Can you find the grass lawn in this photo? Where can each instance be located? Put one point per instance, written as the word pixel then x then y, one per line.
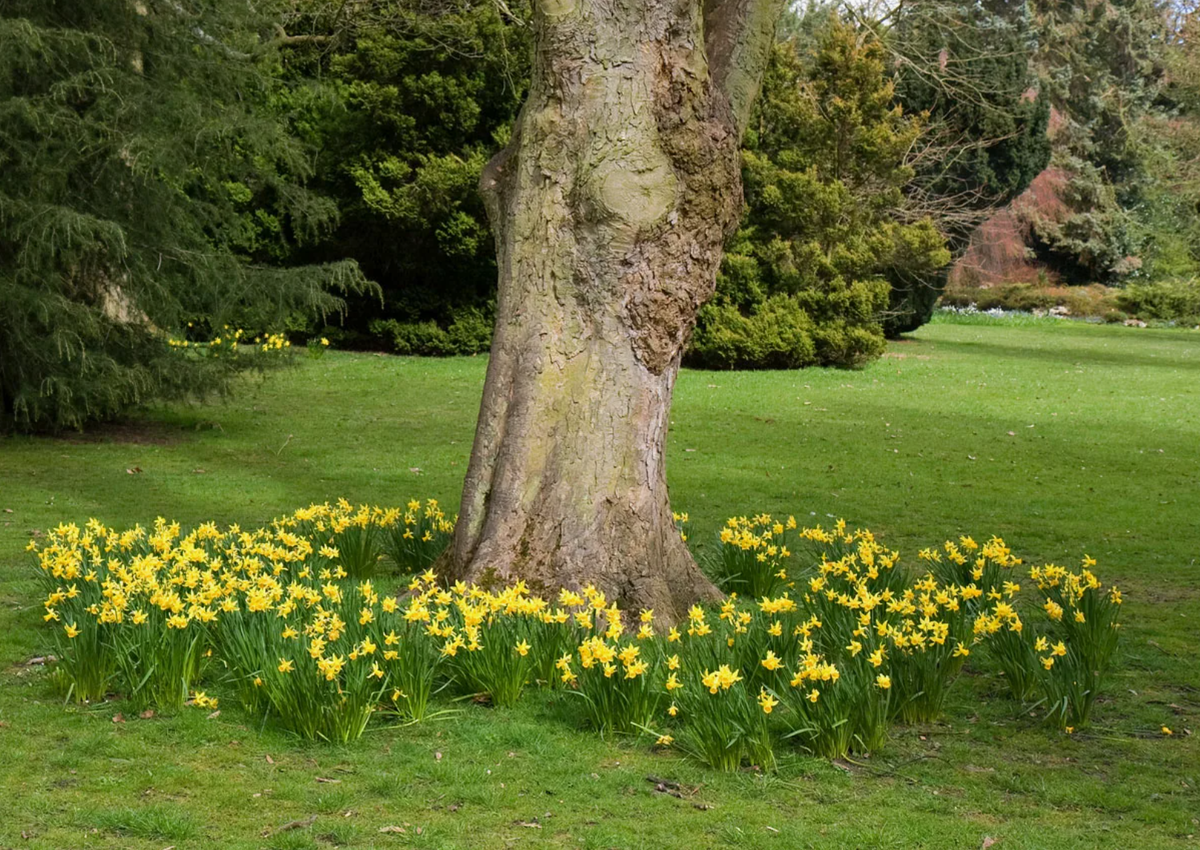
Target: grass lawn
pixel 1062 438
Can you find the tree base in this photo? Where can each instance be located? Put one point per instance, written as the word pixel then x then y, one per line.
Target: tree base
pixel 636 566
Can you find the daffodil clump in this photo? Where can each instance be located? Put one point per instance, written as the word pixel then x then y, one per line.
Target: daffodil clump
pixel 847 644
pixel 119 620
pixel 232 343
pixel 141 611
pixel 718 714
pixel 358 537
pixel 616 670
pixel 415 535
pixel 1075 639
pixel 308 653
pixel 489 637
pixel 317 347
pixel 752 555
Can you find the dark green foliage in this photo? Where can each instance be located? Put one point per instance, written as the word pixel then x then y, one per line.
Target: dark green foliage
pixel 144 184
pixel 1168 219
pixel 406 105
pixel 968 66
pixel 806 280
pixel 469 332
pixel 1102 63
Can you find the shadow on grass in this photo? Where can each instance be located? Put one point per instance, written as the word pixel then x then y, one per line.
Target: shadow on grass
pixel 1076 355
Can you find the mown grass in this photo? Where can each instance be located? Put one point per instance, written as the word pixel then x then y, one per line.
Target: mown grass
pixel 1063 438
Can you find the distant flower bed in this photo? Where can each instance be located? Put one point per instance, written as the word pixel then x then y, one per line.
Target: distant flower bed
pixel 824 642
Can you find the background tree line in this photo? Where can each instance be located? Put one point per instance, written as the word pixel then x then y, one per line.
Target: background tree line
pixel 172 167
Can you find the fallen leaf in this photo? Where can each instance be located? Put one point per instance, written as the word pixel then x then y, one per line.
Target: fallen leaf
pixel 988 841
pixel 396 829
pixel 269 759
pixel 8 510
pixel 134 470
pixel 331 781
pixel 147 714
pixel 528 824
pixel 215 714
pixel 118 718
pixel 437 756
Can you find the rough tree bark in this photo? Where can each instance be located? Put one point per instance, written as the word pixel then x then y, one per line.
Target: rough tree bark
pixel 610 206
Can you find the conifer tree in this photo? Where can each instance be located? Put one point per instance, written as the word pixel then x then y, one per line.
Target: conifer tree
pixel 1102 65
pixel 147 186
pixel 826 226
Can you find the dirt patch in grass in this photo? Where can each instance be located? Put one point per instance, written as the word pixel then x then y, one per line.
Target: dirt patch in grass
pixel 137 432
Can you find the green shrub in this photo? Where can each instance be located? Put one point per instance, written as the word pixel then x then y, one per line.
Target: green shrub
pixel 469 333
pixel 780 334
pixel 777 335
pixel 1093 300
pixel 1167 301
pixel 805 281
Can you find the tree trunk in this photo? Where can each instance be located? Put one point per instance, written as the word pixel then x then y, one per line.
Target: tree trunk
pixel 610 207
